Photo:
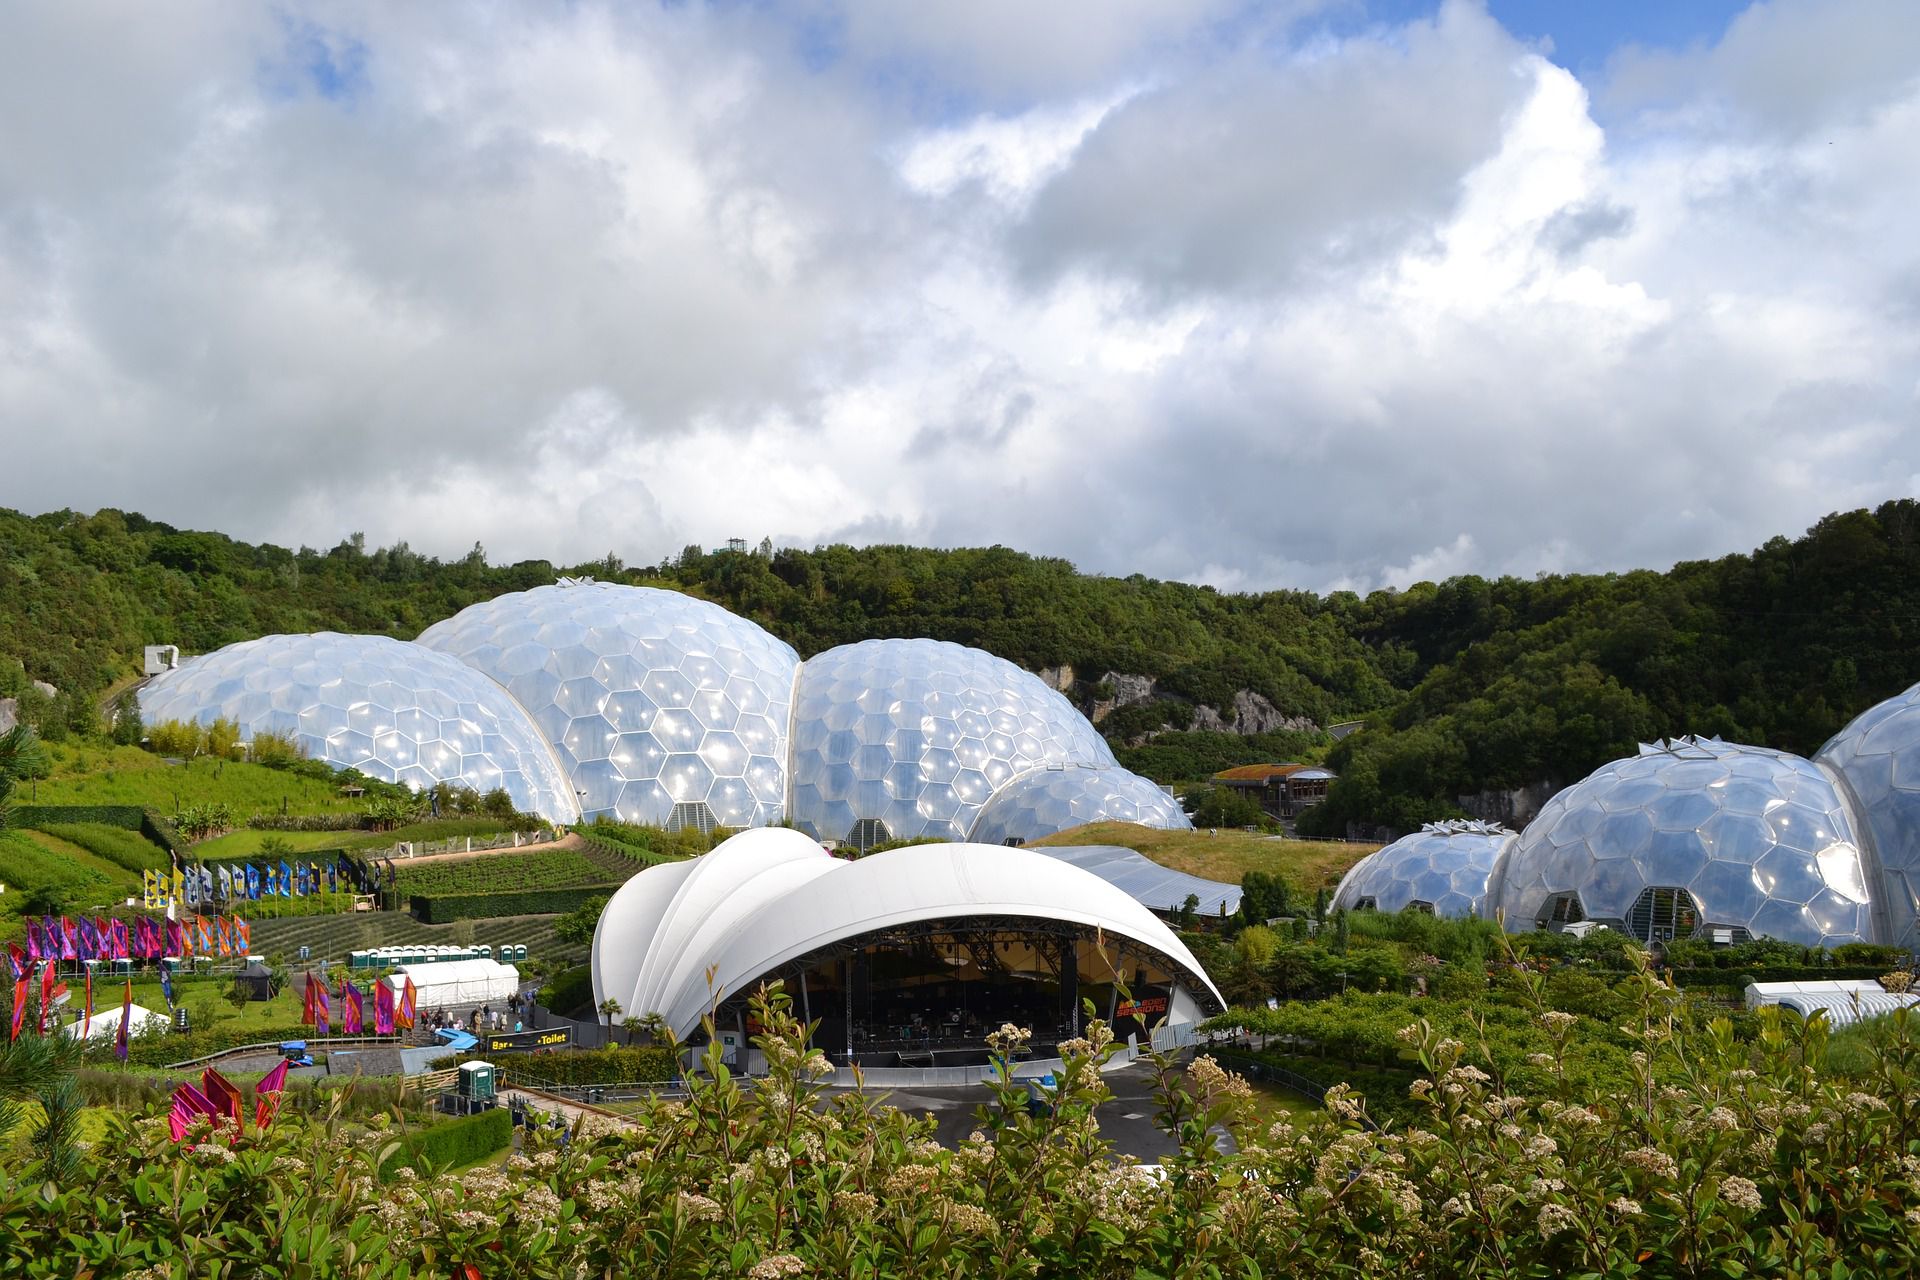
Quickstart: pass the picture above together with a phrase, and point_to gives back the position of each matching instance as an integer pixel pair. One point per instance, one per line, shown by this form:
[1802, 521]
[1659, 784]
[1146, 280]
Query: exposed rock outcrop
[1514, 808]
[1252, 713]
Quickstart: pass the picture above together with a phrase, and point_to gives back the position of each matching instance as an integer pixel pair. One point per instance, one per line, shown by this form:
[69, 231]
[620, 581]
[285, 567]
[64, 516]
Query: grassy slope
[32, 858]
[128, 775]
[1307, 864]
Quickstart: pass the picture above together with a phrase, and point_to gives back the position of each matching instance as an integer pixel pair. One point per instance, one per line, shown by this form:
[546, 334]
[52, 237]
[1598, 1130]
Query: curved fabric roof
[678, 938]
[1153, 886]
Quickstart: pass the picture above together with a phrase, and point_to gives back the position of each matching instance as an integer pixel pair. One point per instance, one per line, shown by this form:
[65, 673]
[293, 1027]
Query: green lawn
[1307, 864]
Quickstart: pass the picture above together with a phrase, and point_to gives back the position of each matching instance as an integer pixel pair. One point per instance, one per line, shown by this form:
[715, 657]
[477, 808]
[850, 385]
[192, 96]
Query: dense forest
[1466, 685]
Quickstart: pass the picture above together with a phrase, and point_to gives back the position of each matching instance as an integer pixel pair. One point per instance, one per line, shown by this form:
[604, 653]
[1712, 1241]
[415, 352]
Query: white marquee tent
[462, 984]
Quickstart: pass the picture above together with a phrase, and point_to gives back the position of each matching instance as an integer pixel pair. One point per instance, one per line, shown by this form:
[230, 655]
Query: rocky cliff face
[1250, 712]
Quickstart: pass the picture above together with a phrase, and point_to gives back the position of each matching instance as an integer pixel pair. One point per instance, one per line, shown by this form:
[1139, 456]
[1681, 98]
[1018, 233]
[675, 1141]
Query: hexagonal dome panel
[1051, 800]
[1878, 759]
[393, 710]
[952, 725]
[654, 702]
[1760, 840]
[1444, 866]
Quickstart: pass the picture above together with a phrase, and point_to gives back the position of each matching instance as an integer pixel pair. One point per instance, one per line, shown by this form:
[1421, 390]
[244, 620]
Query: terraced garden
[332, 937]
[503, 873]
[35, 859]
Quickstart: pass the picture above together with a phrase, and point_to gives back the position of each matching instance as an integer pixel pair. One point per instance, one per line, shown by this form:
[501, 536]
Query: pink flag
[351, 1010]
[267, 1095]
[382, 1009]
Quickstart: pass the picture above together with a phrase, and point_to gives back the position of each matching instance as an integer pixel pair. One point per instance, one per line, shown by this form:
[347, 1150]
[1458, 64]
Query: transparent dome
[1054, 799]
[393, 710]
[897, 739]
[662, 708]
[1442, 868]
[1691, 835]
[1878, 759]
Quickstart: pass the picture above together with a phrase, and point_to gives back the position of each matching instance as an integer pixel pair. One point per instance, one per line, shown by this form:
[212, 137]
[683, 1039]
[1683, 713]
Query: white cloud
[1206, 300]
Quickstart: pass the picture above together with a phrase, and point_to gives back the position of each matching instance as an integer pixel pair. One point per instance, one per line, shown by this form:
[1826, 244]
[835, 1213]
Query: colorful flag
[19, 1007]
[166, 982]
[306, 1002]
[190, 890]
[33, 939]
[205, 930]
[267, 1095]
[126, 1016]
[382, 1009]
[69, 939]
[403, 1016]
[179, 885]
[332, 879]
[253, 882]
[243, 936]
[226, 883]
[286, 879]
[223, 935]
[223, 1094]
[147, 894]
[86, 1014]
[351, 1009]
[322, 1015]
[46, 993]
[121, 949]
[17, 961]
[206, 885]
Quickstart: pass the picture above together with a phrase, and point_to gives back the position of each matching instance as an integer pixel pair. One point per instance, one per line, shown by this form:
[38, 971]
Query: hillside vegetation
[1467, 685]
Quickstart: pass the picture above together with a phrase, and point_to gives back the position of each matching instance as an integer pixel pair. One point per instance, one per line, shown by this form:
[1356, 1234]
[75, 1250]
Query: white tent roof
[450, 982]
[771, 895]
[106, 1022]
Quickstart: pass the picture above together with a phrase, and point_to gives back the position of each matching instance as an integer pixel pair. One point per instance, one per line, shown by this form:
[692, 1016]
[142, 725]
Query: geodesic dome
[662, 708]
[1442, 868]
[393, 710]
[1878, 759]
[1690, 835]
[1054, 799]
[896, 739]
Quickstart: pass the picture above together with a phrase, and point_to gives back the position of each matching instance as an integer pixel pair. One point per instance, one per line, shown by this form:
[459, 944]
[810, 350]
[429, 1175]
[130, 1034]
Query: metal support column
[1070, 980]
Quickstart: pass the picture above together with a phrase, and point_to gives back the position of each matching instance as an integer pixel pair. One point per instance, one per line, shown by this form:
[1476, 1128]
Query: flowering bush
[1715, 1158]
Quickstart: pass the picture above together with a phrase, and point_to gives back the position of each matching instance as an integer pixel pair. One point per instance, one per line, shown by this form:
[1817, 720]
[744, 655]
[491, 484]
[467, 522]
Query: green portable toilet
[520, 951]
[477, 1080]
[357, 960]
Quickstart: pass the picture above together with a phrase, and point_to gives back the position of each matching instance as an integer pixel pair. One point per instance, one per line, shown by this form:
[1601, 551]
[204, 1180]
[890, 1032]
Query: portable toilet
[476, 1080]
[358, 960]
[481, 953]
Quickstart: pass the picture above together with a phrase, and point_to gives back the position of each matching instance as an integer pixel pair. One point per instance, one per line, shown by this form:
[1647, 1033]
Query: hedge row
[159, 1050]
[452, 1145]
[446, 908]
[130, 817]
[123, 848]
[613, 1065]
[311, 822]
[570, 992]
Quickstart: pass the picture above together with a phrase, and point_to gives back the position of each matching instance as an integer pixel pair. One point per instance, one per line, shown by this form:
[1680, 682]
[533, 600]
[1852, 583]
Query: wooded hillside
[1468, 684]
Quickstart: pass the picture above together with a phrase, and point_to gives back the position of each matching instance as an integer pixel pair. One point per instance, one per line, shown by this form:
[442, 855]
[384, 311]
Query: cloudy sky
[1278, 294]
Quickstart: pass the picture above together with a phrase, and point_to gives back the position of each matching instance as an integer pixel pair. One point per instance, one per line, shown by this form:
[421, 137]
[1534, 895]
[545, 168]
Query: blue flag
[253, 882]
[286, 880]
[332, 879]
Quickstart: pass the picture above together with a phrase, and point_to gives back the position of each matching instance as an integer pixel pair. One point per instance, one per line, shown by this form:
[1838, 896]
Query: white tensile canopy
[677, 934]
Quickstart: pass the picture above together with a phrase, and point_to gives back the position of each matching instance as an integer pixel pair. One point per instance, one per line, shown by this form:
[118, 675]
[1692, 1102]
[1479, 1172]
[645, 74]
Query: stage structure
[907, 958]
